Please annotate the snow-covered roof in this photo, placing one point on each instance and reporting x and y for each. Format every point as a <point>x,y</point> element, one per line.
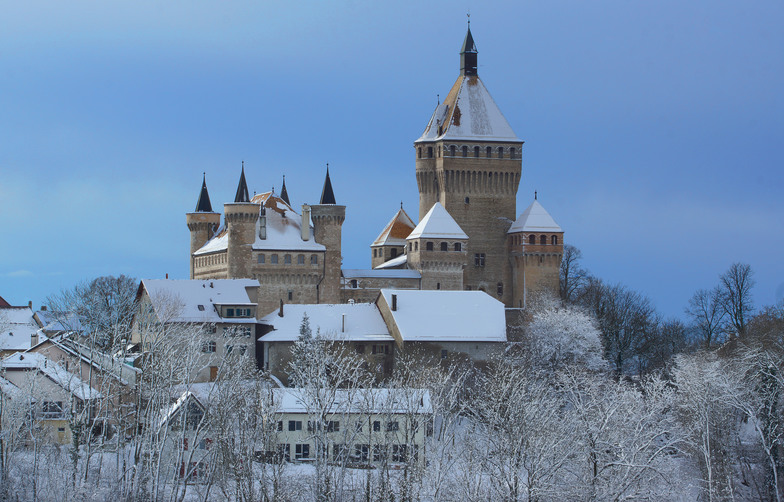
<point>373,400</point>
<point>58,321</point>
<point>468,113</point>
<point>283,229</point>
<point>59,375</point>
<point>438,224</point>
<point>8,388</point>
<point>396,231</point>
<point>447,315</point>
<point>394,262</point>
<point>17,325</point>
<point>535,219</point>
<point>195,300</point>
<point>400,273</point>
<point>363,322</point>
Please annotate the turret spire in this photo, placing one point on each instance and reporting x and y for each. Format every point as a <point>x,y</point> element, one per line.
<point>468,58</point>
<point>242,188</point>
<point>327,195</point>
<point>203,205</point>
<point>283,193</point>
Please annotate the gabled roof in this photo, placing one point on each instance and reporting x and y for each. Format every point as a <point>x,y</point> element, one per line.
<point>468,113</point>
<point>327,195</point>
<point>362,322</point>
<point>17,325</point>
<point>203,204</point>
<point>4,303</point>
<point>438,224</point>
<point>196,300</point>
<point>396,231</point>
<point>53,370</point>
<point>535,219</point>
<point>439,315</point>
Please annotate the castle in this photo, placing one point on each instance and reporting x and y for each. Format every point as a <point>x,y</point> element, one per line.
<point>468,169</point>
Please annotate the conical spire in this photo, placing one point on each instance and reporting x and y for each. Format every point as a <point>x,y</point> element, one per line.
<point>242,188</point>
<point>327,195</point>
<point>203,205</point>
<point>283,193</point>
<point>468,55</point>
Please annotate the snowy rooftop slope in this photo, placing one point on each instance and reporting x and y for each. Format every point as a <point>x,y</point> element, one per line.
<point>535,219</point>
<point>378,272</point>
<point>378,400</point>
<point>438,224</point>
<point>447,315</point>
<point>58,321</point>
<point>394,262</point>
<point>363,322</point>
<point>9,389</point>
<point>180,300</point>
<point>468,113</point>
<point>16,327</point>
<point>396,231</point>
<point>68,381</point>
<point>284,229</point>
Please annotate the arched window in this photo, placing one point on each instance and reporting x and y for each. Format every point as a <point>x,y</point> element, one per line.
<point>314,259</point>
<point>531,239</point>
<point>429,246</point>
<point>287,259</point>
<point>543,240</point>
<point>452,150</point>
<point>458,246</point>
<point>467,200</point>
<point>438,285</point>
<point>476,151</point>
<point>444,246</point>
<point>512,152</point>
<point>354,283</point>
<point>465,151</point>
<point>500,152</point>
<point>554,240</point>
<point>274,259</point>
<point>489,152</point>
<point>419,152</point>
<point>500,289</point>
<point>416,245</point>
<point>375,252</point>
<point>301,259</point>
<point>430,152</point>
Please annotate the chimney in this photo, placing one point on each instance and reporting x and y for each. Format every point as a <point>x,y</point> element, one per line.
<point>33,339</point>
<point>394,303</point>
<point>343,327</point>
<point>30,304</point>
<point>280,314</point>
<point>305,222</point>
<point>263,224</point>
<point>167,276</point>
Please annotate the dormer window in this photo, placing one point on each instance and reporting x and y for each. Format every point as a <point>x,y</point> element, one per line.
<point>201,308</point>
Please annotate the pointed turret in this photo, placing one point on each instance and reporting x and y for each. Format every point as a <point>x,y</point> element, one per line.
<point>327,195</point>
<point>468,59</point>
<point>242,188</point>
<point>203,205</point>
<point>283,193</point>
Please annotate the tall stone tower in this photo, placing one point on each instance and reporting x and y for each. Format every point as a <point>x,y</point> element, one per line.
<point>202,223</point>
<point>535,250</point>
<point>469,160</point>
<point>328,220</point>
<point>241,217</point>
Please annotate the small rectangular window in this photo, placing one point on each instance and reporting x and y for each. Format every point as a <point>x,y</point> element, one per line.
<point>274,259</point>
<point>479,260</point>
<point>260,258</point>
<point>376,426</point>
<point>314,259</point>
<point>444,353</point>
<point>393,426</point>
<point>295,425</point>
<point>287,259</point>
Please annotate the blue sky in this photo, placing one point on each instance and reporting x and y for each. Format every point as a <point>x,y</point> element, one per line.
<point>653,130</point>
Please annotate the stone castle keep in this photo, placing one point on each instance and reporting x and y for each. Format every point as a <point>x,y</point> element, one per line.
<point>469,237</point>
